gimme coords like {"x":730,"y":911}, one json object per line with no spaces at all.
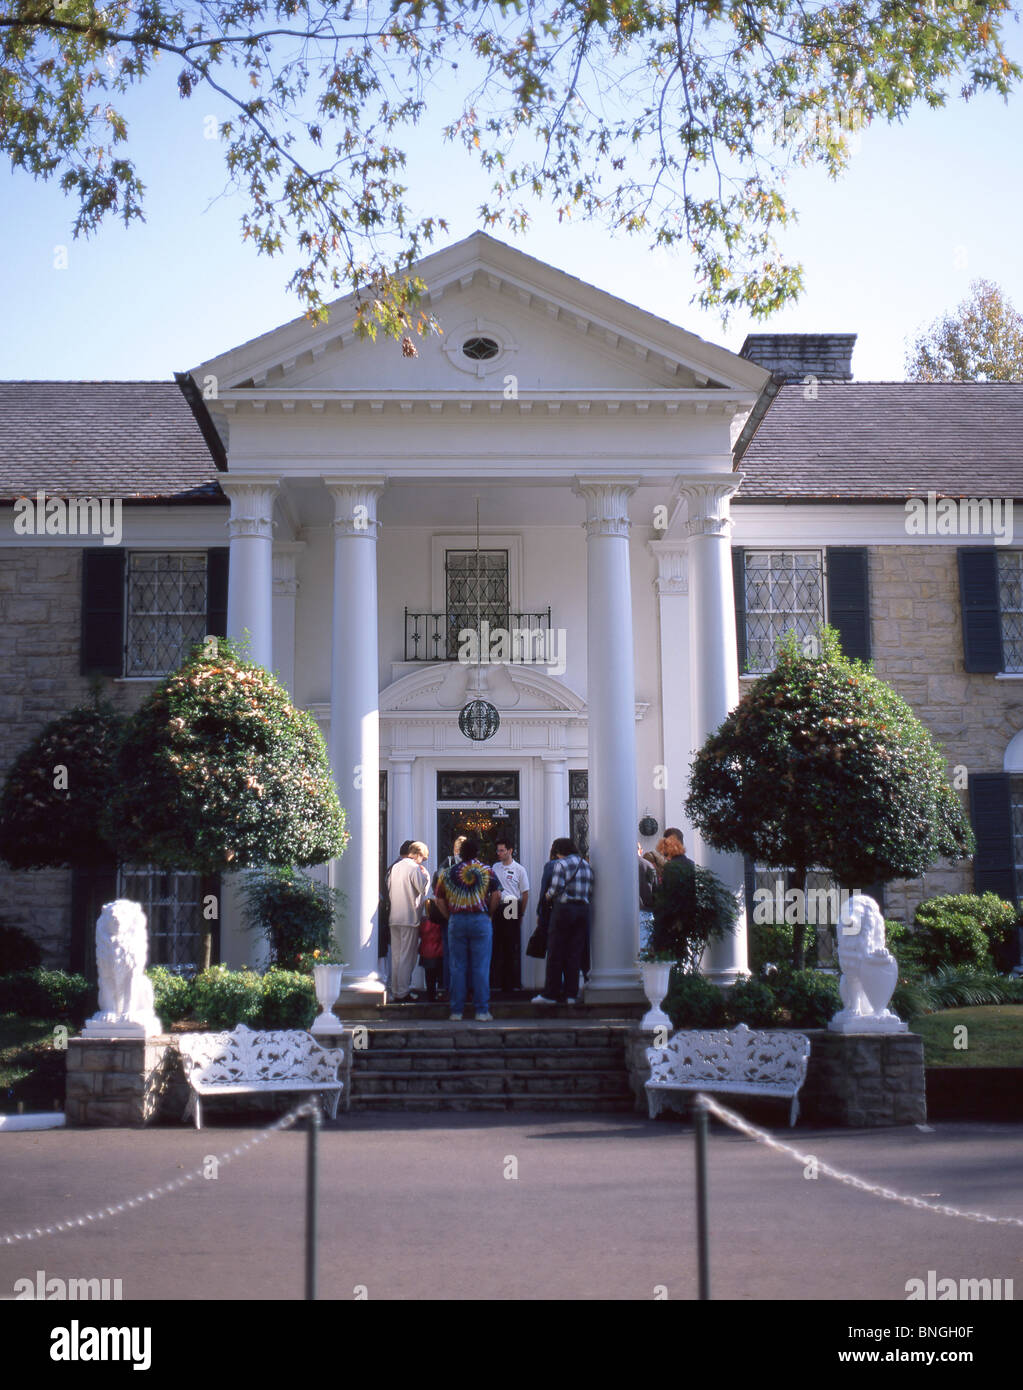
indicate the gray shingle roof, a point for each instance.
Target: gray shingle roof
{"x":128,"y":439}
{"x":864,"y":440}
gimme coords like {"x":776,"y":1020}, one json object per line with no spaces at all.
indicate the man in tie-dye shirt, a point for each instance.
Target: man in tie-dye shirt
{"x":467,"y":893}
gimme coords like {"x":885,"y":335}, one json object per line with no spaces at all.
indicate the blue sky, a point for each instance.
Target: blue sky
{"x":923,"y":209}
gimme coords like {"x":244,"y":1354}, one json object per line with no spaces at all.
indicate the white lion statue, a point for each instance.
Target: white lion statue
{"x":869,"y":971}
{"x":125,"y":992}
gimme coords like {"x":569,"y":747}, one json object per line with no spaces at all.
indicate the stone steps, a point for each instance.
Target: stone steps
{"x":528,"y":1064}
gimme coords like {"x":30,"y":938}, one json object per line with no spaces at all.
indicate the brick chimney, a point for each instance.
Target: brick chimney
{"x":794,"y":356}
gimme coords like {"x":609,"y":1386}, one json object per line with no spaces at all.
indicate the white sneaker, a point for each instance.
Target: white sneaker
{"x":484,"y":1018}
{"x":455,"y":1018}
{"x":542,"y":999}
{"x":570,"y":1001}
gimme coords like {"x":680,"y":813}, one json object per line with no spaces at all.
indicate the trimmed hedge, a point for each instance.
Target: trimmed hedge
{"x":963,"y":929}
{"x":48,"y":994}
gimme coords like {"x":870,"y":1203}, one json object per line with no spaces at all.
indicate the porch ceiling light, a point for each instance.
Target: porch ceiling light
{"x":479,"y":720}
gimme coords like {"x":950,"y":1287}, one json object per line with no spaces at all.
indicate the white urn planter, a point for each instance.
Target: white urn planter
{"x":327,"y":984}
{"x":656,"y":974}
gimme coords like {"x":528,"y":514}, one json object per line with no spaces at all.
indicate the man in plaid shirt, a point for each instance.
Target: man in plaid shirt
{"x":570,"y":893}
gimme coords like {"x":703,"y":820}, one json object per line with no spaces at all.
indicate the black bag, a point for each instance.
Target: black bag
{"x":537,"y":945}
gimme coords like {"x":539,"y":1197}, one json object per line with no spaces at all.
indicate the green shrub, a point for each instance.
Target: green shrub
{"x":48,"y":994}
{"x":963,"y":929}
{"x":693,"y":1002}
{"x":772,"y":943}
{"x":18,"y":951}
{"x":48,"y":821}
{"x":288,"y":1000}
{"x":751,"y":1002}
{"x":172,"y":995}
{"x":224,"y":998}
{"x":295,"y":913}
{"x":810,"y":998}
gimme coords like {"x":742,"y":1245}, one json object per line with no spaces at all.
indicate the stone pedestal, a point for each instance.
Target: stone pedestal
{"x":121,"y":1081}
{"x":864,"y":1080}
{"x":636,"y":1043}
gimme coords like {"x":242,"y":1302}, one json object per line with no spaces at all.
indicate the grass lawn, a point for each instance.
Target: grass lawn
{"x":31,"y":1067}
{"x":994,"y":1036}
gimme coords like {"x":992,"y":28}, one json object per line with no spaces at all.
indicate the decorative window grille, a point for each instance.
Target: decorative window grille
{"x":477,"y":786}
{"x":166,"y":610}
{"x":822,"y":902}
{"x":784,"y":592}
{"x":475,"y":585}
{"x":579,"y":808}
{"x":172,"y":902}
{"x":1010,"y":601}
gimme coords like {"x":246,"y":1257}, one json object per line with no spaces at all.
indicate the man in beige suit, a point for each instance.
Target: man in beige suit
{"x":407,"y":886}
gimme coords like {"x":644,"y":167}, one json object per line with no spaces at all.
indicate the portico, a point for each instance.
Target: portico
{"x":597,"y":439}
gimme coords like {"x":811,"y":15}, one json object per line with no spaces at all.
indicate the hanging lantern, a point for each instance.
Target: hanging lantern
{"x":648,"y":826}
{"x":479,"y":720}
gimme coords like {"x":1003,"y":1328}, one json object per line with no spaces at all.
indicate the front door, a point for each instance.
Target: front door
{"x":482,"y":805}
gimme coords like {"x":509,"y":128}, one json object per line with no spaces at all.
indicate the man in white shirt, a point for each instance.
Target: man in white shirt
{"x":506,"y":963}
{"x":407,"y":886}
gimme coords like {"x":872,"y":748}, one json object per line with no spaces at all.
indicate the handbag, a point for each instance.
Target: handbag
{"x":537,"y":944}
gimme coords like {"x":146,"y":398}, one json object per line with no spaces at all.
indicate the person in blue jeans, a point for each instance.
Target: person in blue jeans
{"x":467,"y":893}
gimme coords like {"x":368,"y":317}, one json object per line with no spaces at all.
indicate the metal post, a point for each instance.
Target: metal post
{"x":311,"y":1178}
{"x":702,"y":1233}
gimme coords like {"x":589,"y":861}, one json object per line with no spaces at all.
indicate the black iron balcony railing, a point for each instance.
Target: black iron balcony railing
{"x":504,"y":636}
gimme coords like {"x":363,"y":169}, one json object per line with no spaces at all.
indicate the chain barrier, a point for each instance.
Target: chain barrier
{"x":729,"y":1117}
{"x":151,"y":1196}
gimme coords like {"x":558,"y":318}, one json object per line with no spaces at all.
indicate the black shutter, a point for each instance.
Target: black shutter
{"x":991,"y":814}
{"x":91,"y":887}
{"x":102,"y":612}
{"x":739,"y":585}
{"x":982,"y":620}
{"x":216,"y":591}
{"x":849,"y":599}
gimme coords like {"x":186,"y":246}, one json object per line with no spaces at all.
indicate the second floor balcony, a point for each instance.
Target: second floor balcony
{"x":494,"y":635}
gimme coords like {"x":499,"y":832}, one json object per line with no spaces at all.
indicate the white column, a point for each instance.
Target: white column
{"x":611,"y":701}
{"x":555,"y":801}
{"x":355,"y":724}
{"x":250,"y":568}
{"x":285,"y":596}
{"x":399,"y":807}
{"x":672,"y":589}
{"x":714,"y":688}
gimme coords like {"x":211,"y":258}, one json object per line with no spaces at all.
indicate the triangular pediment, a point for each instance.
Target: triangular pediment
{"x":552,"y":331}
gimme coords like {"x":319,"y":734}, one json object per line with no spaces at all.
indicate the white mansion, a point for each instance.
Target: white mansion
{"x":653,"y":512}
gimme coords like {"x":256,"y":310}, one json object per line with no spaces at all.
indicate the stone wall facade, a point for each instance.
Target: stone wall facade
{"x":917,"y":644}
{"x":40,"y":643}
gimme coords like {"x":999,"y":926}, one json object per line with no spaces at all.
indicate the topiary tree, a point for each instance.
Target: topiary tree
{"x":822,"y":765}
{"x":52,"y":803}
{"x":219,"y":771}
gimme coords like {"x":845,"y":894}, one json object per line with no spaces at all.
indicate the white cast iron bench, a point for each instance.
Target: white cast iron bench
{"x":245,"y":1063}
{"x":737,"y":1061}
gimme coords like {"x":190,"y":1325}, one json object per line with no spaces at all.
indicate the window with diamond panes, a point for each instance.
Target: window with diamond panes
{"x":172,"y":903}
{"x":476,"y":584}
{"x":822,"y":901}
{"x":784,"y":592}
{"x":579,"y":808}
{"x":1010,"y":601}
{"x":166,"y":610}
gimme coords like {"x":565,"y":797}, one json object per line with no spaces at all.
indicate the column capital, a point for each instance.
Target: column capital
{"x":607,"y":504}
{"x":284,"y":559}
{"x":404,"y":758}
{"x":672,"y":566}
{"x":252,"y":505}
{"x":355,"y":504}
{"x":708,"y":499}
